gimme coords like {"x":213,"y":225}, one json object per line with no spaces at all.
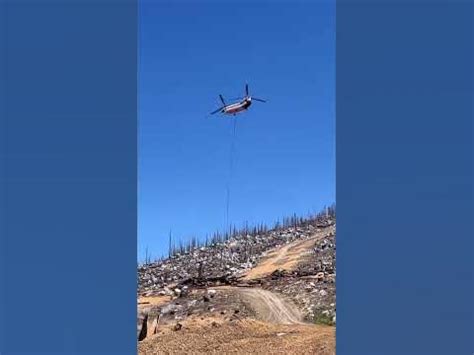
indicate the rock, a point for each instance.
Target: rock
{"x":278,"y":273}
{"x":171,"y":309}
{"x":177,"y":327}
{"x":142,"y":325}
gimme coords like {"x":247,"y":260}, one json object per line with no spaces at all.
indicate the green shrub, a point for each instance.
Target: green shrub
{"x":323,"y":319}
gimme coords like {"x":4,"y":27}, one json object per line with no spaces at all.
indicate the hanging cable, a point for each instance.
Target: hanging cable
{"x":231,"y":167}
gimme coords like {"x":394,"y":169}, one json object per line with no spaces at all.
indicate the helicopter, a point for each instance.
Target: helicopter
{"x":239,"y":106}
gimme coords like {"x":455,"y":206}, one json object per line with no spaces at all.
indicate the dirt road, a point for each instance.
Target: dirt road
{"x":270,"y":307}
{"x":285,"y":258}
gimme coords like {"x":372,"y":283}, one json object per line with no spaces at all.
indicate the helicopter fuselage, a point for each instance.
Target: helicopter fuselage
{"x":237,"y":107}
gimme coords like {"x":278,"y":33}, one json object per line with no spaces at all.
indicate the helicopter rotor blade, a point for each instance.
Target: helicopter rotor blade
{"x":222,"y":99}
{"x":254,"y":98}
{"x":218,"y":110}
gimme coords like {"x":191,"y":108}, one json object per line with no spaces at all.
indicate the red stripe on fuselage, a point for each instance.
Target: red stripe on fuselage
{"x":234,"y":108}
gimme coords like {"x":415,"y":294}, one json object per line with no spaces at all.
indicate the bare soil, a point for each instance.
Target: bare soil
{"x":283,"y":258}
{"x":271,"y":307}
{"x":153,"y":301}
{"x":215,"y":336}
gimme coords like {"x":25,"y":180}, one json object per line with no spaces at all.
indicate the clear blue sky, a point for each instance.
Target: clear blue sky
{"x":284,"y":158}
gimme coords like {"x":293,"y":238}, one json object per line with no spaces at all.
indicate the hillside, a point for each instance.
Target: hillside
{"x":268,"y":287}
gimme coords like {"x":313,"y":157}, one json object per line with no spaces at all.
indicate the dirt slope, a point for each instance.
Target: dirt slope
{"x":285,"y":258}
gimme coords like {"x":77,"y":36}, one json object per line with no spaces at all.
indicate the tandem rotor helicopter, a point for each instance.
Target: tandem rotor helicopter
{"x":242,"y":105}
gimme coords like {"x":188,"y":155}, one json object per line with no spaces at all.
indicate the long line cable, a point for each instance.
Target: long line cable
{"x":231,"y":167}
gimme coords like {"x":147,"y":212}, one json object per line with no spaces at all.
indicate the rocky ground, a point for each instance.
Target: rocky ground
{"x":284,"y":278}
{"x":215,"y":336}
